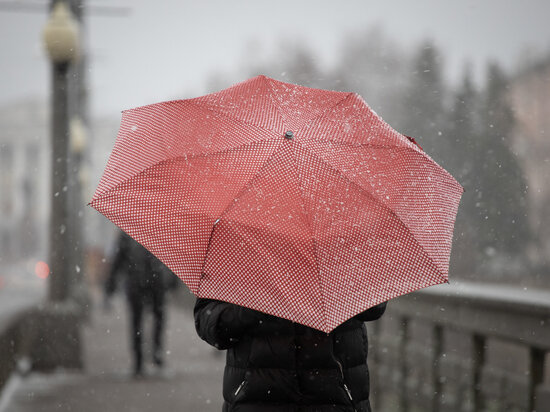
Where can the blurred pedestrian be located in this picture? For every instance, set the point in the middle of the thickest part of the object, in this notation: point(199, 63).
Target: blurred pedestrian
point(146, 282)
point(277, 365)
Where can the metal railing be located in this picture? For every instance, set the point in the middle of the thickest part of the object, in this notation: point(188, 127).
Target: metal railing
point(466, 347)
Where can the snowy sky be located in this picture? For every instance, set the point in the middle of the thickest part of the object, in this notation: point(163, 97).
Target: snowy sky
point(167, 49)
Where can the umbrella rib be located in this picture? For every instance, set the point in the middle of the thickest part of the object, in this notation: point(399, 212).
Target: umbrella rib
point(213, 110)
point(324, 113)
point(321, 291)
point(206, 255)
point(229, 116)
point(412, 149)
point(368, 144)
point(374, 146)
point(105, 194)
point(272, 95)
point(247, 185)
point(350, 94)
point(379, 201)
point(228, 207)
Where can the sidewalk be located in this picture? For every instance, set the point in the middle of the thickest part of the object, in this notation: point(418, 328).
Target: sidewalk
point(191, 380)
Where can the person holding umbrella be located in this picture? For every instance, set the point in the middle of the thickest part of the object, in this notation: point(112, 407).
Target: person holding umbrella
point(299, 204)
point(274, 364)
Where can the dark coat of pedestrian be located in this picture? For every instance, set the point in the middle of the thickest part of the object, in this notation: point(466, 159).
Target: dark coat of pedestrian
point(146, 281)
point(275, 365)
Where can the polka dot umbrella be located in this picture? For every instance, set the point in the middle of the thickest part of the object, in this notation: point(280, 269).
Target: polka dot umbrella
point(298, 202)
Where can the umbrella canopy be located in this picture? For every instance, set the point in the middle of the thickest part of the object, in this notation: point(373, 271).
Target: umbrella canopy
point(298, 202)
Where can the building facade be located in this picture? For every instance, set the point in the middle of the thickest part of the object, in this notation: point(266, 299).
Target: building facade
point(24, 178)
point(530, 99)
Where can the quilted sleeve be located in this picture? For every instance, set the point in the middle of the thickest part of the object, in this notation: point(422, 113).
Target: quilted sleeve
point(223, 324)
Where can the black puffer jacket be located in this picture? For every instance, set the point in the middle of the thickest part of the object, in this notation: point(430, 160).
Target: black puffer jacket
point(275, 365)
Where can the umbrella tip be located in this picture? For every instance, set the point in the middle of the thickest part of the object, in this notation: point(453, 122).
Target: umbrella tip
point(289, 135)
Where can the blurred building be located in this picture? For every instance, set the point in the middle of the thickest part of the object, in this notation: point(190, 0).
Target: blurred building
point(100, 234)
point(25, 181)
point(530, 99)
point(24, 174)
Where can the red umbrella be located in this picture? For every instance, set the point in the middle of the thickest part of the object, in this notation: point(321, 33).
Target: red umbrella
point(298, 202)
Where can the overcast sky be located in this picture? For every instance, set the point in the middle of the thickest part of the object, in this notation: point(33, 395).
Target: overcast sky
point(167, 49)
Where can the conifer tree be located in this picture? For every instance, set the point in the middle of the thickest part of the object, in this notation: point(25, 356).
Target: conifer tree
point(461, 149)
point(500, 182)
point(424, 100)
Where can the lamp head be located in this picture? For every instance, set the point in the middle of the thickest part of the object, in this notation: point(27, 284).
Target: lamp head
point(61, 34)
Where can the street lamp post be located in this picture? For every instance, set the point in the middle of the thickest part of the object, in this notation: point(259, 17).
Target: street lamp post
point(61, 40)
point(77, 146)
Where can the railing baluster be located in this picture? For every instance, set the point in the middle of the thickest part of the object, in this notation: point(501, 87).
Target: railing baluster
point(436, 371)
point(403, 395)
point(536, 374)
point(478, 356)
